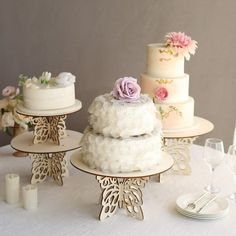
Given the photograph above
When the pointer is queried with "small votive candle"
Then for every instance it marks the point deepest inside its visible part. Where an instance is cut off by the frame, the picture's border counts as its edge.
(12, 187)
(30, 197)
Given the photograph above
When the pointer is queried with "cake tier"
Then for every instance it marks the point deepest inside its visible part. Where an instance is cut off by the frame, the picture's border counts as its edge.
(117, 118)
(177, 87)
(160, 63)
(48, 98)
(177, 115)
(121, 155)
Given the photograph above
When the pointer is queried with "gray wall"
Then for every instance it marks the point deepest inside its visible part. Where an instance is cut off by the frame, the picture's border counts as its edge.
(102, 40)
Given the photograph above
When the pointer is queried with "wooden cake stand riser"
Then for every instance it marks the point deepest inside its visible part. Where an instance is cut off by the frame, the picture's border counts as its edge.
(48, 143)
(122, 190)
(177, 143)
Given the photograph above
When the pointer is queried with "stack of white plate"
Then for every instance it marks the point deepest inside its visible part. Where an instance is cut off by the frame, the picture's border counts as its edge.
(215, 210)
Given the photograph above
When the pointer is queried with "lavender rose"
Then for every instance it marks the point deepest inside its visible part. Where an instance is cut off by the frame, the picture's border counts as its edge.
(126, 89)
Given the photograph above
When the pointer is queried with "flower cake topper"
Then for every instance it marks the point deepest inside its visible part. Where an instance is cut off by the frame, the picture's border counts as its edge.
(126, 89)
(180, 44)
(47, 81)
(161, 94)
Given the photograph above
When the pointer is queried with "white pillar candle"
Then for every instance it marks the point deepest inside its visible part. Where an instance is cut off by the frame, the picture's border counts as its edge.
(12, 187)
(30, 197)
(234, 140)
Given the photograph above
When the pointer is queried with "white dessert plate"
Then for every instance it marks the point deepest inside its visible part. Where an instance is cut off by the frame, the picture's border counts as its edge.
(215, 210)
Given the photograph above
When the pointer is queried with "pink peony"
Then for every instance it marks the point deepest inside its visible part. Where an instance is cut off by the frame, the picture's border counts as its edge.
(126, 89)
(161, 94)
(181, 44)
(10, 92)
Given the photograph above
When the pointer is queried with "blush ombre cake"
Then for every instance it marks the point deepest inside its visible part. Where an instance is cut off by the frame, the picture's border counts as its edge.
(167, 83)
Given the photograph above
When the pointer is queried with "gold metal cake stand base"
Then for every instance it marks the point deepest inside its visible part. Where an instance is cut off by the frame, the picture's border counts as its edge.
(122, 190)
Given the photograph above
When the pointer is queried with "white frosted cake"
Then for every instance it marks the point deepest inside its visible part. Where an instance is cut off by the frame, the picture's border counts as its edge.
(119, 119)
(124, 133)
(48, 93)
(167, 83)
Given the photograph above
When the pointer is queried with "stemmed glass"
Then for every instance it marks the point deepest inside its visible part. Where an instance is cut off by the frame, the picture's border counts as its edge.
(231, 161)
(213, 155)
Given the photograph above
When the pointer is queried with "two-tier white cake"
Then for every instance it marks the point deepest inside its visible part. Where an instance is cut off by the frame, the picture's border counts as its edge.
(167, 83)
(124, 133)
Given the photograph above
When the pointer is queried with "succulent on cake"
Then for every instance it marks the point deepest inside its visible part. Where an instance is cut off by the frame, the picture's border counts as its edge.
(179, 44)
(126, 89)
(46, 80)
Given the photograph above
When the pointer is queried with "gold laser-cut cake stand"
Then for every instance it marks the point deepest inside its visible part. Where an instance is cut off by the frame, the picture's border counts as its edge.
(48, 158)
(177, 143)
(122, 190)
(49, 142)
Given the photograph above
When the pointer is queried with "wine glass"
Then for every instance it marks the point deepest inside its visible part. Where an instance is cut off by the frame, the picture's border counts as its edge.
(231, 161)
(213, 155)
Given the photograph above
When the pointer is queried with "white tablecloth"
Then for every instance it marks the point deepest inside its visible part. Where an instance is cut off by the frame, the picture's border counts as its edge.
(73, 209)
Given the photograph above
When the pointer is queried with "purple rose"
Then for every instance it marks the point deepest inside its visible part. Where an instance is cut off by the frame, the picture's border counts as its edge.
(126, 89)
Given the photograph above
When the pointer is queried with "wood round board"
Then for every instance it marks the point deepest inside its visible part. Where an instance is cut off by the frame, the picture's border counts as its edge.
(24, 143)
(68, 110)
(201, 126)
(165, 164)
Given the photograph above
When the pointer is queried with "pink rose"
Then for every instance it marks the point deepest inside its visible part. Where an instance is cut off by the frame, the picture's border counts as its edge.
(181, 43)
(10, 91)
(161, 94)
(126, 89)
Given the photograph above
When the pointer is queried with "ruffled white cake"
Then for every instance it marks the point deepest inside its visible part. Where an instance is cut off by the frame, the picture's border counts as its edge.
(49, 93)
(166, 82)
(121, 155)
(115, 118)
(124, 133)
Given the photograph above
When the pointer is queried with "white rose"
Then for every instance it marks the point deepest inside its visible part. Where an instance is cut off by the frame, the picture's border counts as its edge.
(7, 120)
(65, 78)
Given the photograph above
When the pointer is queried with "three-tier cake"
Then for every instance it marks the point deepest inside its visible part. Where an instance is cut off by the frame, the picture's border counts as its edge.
(167, 83)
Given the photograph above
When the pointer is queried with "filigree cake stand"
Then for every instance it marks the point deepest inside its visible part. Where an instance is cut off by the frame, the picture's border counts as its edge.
(49, 142)
(122, 190)
(48, 124)
(48, 158)
(177, 143)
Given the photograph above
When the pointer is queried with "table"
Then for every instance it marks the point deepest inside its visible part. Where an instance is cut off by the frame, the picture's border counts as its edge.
(73, 208)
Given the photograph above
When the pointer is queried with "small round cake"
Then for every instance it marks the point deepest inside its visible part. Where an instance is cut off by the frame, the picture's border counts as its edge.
(124, 133)
(49, 93)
